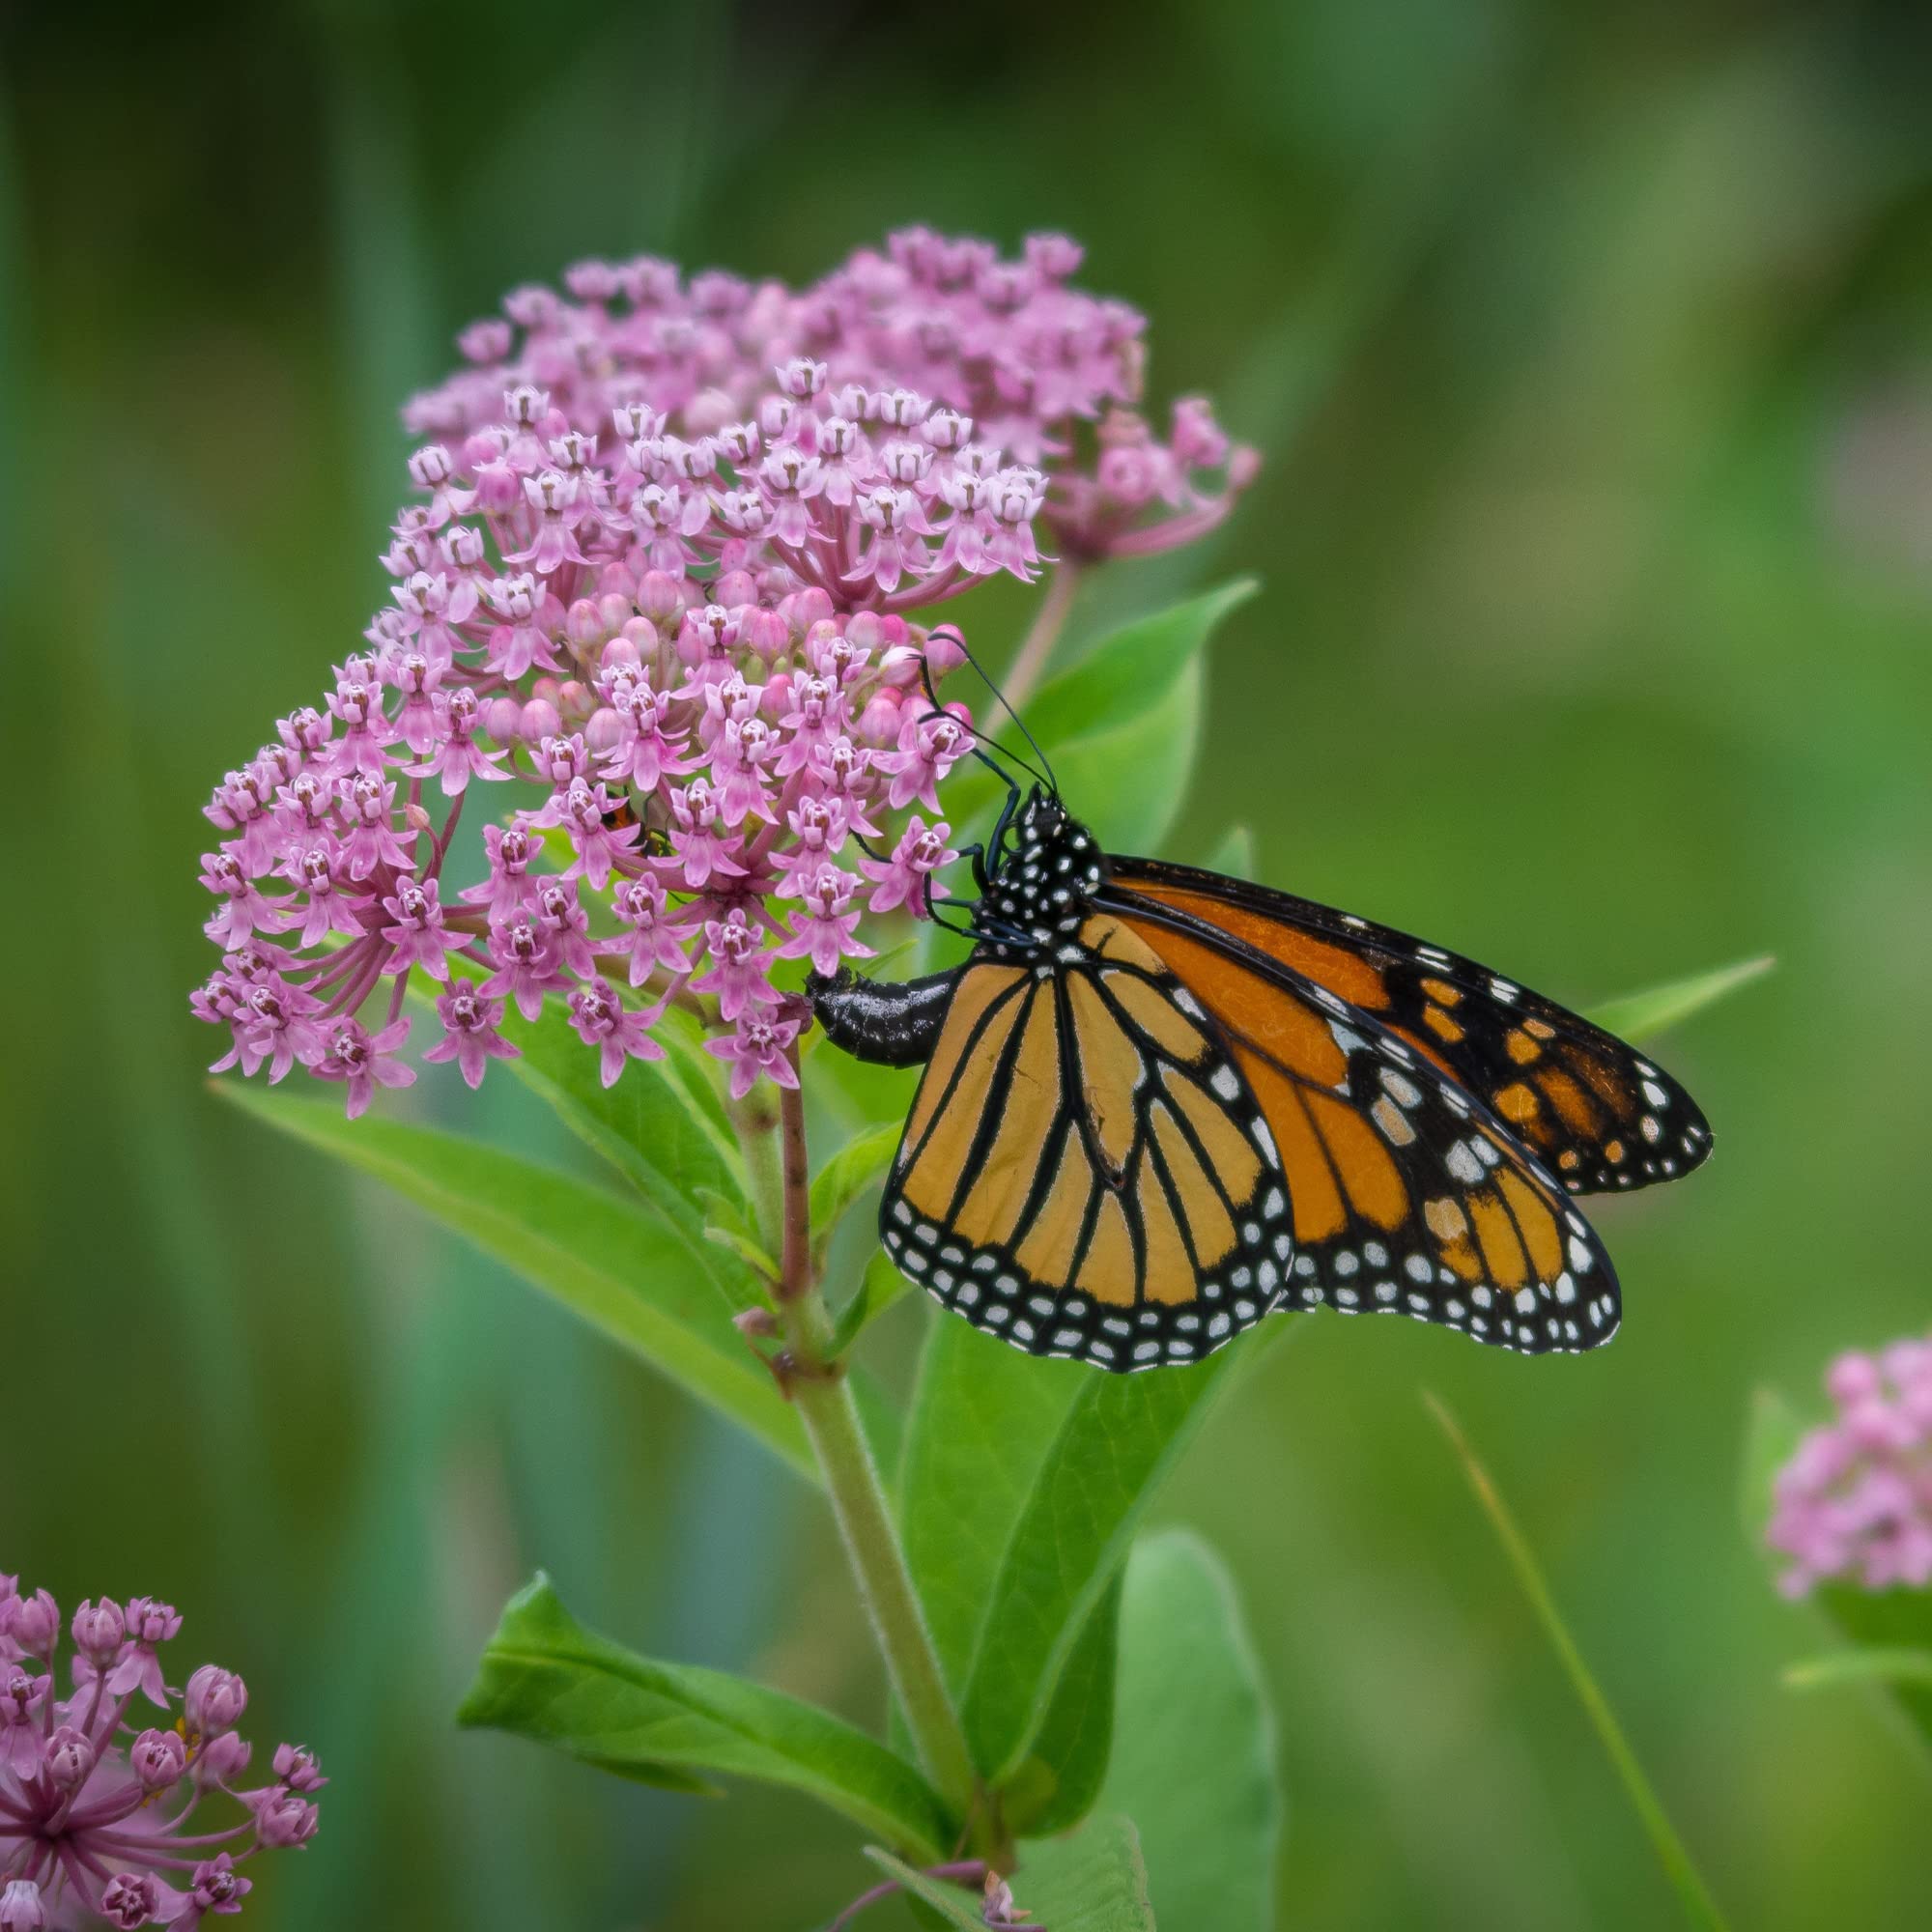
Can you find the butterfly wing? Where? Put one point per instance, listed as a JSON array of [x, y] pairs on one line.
[[1084, 1171], [1407, 1195], [1603, 1118]]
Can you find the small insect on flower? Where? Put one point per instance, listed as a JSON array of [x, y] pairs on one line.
[[95, 1802]]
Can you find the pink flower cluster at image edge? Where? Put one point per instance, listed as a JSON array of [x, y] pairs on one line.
[[93, 1797], [1854, 1504], [660, 582]]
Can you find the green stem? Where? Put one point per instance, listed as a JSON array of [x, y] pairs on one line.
[[1029, 660], [1700, 1906], [823, 1393]]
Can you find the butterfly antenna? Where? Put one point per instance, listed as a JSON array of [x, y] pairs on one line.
[[953, 635], [1045, 777]]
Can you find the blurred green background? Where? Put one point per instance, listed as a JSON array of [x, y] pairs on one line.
[[1591, 351]]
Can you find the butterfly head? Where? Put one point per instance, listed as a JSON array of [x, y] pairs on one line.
[[1046, 876]]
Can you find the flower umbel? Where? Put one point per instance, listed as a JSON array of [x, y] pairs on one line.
[[660, 598], [93, 1799], [1854, 1504]]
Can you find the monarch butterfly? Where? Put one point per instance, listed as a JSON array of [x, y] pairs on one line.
[[1159, 1103]]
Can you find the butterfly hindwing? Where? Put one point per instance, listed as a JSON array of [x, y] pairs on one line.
[[1599, 1115], [1407, 1195], [1084, 1171]]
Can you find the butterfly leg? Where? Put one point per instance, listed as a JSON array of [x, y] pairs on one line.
[[889, 1022]]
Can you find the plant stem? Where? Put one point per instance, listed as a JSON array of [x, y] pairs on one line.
[[1700, 1906], [823, 1393], [1023, 674]]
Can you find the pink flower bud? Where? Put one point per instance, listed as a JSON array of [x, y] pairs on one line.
[[158, 1759], [299, 1768], [131, 1900], [583, 624], [764, 632], [286, 1820], [69, 1758], [34, 1624], [216, 1700], [879, 721], [945, 652], [223, 1759], [540, 719], [150, 1621], [502, 720], [20, 1906], [660, 598], [813, 605], [99, 1631]]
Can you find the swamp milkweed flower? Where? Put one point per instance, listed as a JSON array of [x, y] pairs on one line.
[[661, 598], [98, 1786], [1854, 1504]]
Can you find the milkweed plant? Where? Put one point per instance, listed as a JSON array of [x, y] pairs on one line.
[[105, 1766], [664, 712], [1843, 1506]]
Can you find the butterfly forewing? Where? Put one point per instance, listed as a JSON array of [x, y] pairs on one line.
[[1599, 1115], [1407, 1195], [1084, 1171]]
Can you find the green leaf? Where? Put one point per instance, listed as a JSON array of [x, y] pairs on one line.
[[1094, 1881], [1194, 1747], [1058, 1781], [1234, 853], [1115, 1442], [728, 1226], [1862, 1666], [1700, 1906], [544, 1677], [879, 1288], [1888, 1623], [954, 1905], [981, 1419], [845, 1177], [1641, 1016], [613, 1261], [1122, 724]]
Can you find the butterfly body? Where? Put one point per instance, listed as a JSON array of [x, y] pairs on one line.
[[1159, 1104]]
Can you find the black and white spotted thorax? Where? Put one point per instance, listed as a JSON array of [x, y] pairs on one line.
[[1041, 887]]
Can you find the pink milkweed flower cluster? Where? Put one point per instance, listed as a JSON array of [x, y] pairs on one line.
[[1854, 1503], [654, 599], [99, 1784]]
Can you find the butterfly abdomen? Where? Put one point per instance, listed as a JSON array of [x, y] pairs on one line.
[[891, 1023]]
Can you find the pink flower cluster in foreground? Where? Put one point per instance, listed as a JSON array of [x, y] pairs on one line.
[[657, 585], [1854, 1504], [99, 1783]]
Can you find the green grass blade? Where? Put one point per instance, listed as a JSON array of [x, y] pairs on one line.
[[1700, 1906], [1641, 1016], [1861, 1667]]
